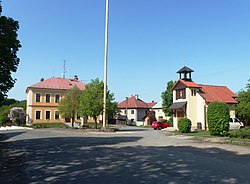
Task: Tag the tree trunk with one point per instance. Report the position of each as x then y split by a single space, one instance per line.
95 118
73 120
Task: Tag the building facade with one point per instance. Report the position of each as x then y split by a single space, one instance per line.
134 108
43 99
191 100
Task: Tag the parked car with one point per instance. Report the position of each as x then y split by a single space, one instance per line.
235 124
158 125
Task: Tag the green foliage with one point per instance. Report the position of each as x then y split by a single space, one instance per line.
171 121
243 133
167 98
243 108
9 45
91 102
112 107
69 105
218 118
5 110
184 125
49 125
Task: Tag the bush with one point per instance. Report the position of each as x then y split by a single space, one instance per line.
171 121
218 118
184 125
243 133
4 111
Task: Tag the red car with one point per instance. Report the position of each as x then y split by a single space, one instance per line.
158 125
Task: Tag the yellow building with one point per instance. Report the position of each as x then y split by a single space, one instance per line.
191 100
43 99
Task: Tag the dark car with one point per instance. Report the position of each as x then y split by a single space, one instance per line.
158 125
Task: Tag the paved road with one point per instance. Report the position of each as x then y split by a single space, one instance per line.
132 155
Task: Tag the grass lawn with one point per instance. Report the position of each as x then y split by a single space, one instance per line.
92 125
49 125
202 135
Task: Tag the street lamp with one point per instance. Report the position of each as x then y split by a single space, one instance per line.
105 66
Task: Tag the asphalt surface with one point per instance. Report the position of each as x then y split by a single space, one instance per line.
131 155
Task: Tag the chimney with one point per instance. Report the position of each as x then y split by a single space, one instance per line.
137 96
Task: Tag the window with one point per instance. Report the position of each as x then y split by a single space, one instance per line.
56 115
57 98
180 94
38 97
47 114
132 111
38 114
193 92
47 96
125 111
78 117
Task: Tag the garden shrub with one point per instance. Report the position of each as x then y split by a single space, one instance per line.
218 118
184 125
243 133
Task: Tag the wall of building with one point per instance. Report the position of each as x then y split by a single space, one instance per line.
43 106
191 107
159 114
201 111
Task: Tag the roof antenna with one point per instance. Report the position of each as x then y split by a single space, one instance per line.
64 68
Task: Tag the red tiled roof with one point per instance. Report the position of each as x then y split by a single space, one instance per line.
151 104
134 103
217 93
58 83
189 84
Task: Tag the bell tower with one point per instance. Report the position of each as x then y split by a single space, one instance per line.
185 73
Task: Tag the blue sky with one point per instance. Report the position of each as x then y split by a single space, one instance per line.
149 40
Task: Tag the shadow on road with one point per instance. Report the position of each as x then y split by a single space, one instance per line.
104 160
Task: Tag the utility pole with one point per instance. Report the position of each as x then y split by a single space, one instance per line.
105 66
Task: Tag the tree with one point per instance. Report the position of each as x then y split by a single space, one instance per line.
17 115
112 107
243 108
91 103
9 45
167 98
218 118
5 110
69 105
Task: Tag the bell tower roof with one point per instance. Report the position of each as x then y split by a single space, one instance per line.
185 73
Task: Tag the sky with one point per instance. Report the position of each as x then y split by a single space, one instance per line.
149 41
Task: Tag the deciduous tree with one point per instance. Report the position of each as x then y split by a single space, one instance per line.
243 108
9 45
69 105
167 98
92 101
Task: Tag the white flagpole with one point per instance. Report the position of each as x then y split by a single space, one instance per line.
105 66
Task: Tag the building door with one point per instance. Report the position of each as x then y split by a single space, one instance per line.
180 115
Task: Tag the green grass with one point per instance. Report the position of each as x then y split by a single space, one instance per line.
234 137
92 125
200 133
49 125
